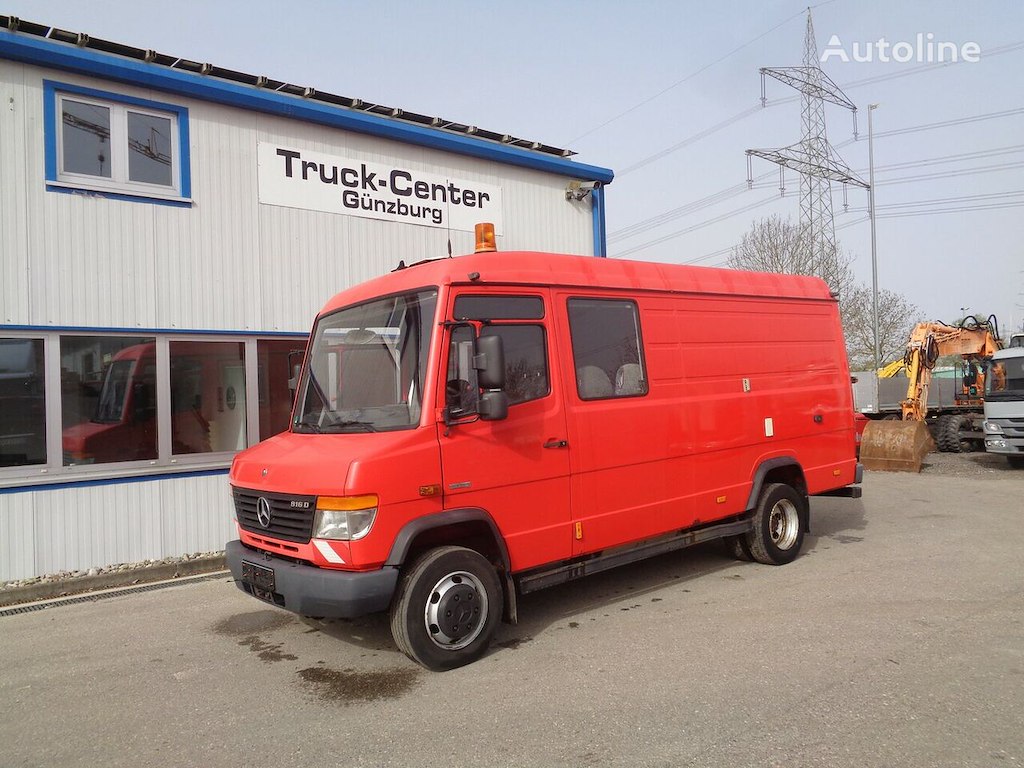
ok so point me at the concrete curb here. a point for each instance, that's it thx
(159, 572)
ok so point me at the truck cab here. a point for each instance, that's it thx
(1004, 404)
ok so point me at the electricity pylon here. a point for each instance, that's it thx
(813, 158)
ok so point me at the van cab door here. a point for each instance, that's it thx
(516, 469)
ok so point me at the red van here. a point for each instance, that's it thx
(471, 429)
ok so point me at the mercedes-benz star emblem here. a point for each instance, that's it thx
(263, 511)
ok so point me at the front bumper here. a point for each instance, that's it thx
(311, 591)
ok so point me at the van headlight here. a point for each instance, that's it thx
(991, 428)
(344, 518)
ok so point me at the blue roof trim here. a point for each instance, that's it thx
(62, 56)
(59, 486)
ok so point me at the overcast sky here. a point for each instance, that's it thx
(636, 86)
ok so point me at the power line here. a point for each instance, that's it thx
(689, 140)
(1008, 48)
(735, 190)
(690, 76)
(687, 230)
(950, 174)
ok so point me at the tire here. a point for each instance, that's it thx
(941, 432)
(951, 433)
(778, 525)
(446, 608)
(738, 548)
(1016, 462)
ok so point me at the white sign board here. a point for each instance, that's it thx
(313, 181)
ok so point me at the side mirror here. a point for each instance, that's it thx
(489, 361)
(493, 406)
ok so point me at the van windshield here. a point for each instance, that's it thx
(367, 366)
(1005, 380)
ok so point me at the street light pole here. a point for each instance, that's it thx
(874, 252)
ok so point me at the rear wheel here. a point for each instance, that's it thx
(447, 608)
(778, 525)
(951, 432)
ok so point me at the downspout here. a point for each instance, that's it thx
(600, 229)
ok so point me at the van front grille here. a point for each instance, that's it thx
(291, 517)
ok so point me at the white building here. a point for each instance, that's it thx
(168, 230)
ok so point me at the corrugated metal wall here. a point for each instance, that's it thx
(69, 529)
(225, 263)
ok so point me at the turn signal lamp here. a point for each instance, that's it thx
(344, 518)
(485, 242)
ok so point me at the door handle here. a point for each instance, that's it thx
(553, 443)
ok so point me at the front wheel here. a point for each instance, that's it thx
(778, 525)
(447, 608)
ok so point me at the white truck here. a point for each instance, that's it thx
(1004, 403)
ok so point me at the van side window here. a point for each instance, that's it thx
(526, 361)
(606, 348)
(526, 355)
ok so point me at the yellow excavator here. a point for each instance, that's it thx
(902, 445)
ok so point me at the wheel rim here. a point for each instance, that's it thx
(784, 524)
(456, 611)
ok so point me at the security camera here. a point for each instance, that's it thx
(578, 190)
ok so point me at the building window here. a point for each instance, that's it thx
(278, 361)
(208, 413)
(108, 399)
(118, 405)
(22, 402)
(606, 348)
(116, 144)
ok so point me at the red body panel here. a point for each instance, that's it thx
(742, 367)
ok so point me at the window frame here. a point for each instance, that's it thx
(478, 322)
(53, 471)
(119, 185)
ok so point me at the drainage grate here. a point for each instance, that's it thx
(94, 597)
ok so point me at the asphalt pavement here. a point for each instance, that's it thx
(895, 639)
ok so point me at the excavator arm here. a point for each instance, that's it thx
(902, 445)
(930, 341)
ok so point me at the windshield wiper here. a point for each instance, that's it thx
(309, 424)
(366, 426)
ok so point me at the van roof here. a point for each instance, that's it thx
(528, 268)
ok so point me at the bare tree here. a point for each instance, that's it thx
(896, 317)
(778, 245)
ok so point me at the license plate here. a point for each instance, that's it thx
(258, 576)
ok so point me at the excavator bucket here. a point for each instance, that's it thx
(895, 446)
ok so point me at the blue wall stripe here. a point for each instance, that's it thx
(59, 486)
